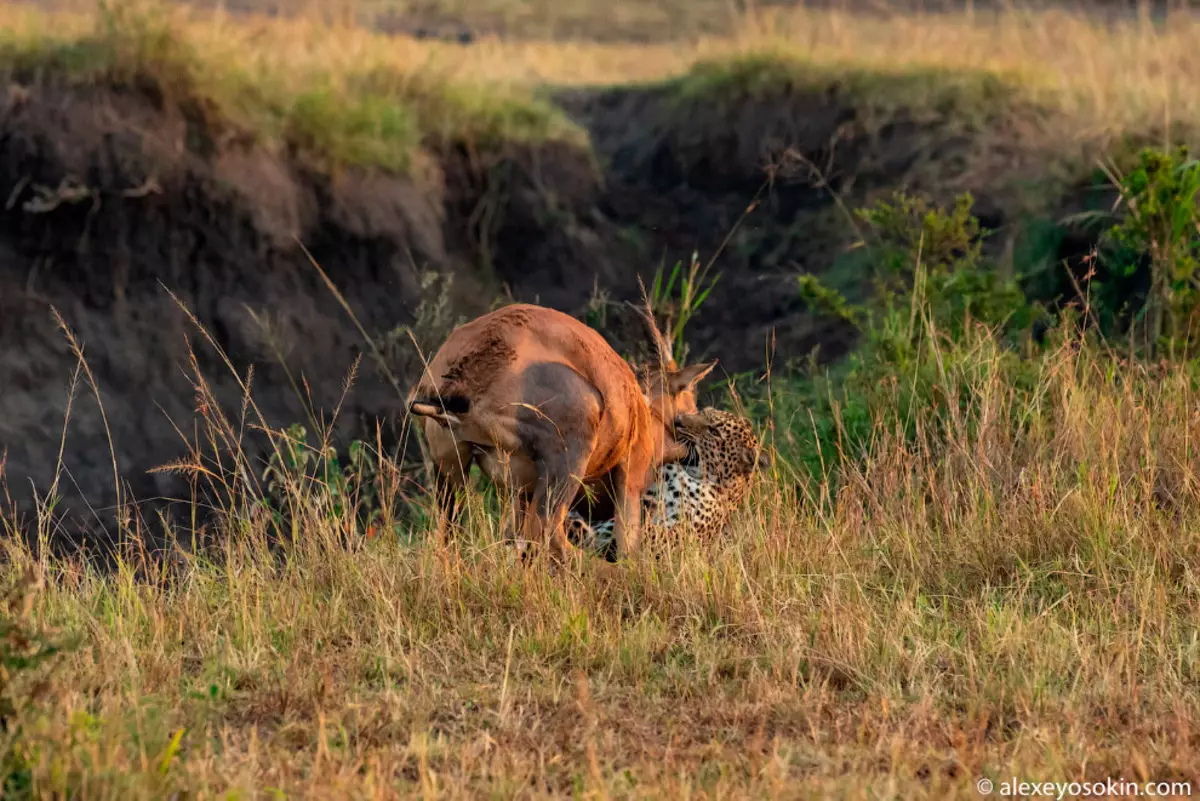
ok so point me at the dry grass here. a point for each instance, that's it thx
(1102, 81)
(992, 600)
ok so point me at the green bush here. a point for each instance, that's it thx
(363, 490)
(1161, 223)
(924, 257)
(940, 324)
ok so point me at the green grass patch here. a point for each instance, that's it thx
(373, 117)
(362, 131)
(775, 73)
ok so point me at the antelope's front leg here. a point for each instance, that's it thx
(628, 487)
(450, 464)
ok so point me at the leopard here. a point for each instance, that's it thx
(696, 496)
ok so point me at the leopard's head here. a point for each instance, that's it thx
(722, 444)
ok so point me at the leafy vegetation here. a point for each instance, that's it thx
(933, 294)
(314, 476)
(938, 313)
(919, 254)
(1161, 223)
(694, 286)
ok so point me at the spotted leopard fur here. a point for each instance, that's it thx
(694, 497)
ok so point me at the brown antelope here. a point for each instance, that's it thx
(544, 405)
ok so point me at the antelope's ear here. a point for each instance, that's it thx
(688, 377)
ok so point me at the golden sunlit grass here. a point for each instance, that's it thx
(373, 99)
(991, 600)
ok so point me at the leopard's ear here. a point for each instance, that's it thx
(753, 459)
(747, 459)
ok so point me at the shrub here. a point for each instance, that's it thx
(363, 492)
(1161, 222)
(927, 329)
(923, 256)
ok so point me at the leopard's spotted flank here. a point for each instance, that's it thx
(697, 496)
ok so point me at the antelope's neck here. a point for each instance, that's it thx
(653, 410)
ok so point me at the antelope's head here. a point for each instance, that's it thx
(670, 390)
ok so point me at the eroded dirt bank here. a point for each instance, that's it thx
(114, 200)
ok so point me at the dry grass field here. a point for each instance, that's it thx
(982, 600)
(1005, 583)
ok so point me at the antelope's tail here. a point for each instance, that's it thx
(447, 411)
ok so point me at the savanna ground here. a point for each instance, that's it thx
(974, 556)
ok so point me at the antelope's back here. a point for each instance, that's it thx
(485, 357)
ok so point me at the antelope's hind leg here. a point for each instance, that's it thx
(559, 433)
(545, 514)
